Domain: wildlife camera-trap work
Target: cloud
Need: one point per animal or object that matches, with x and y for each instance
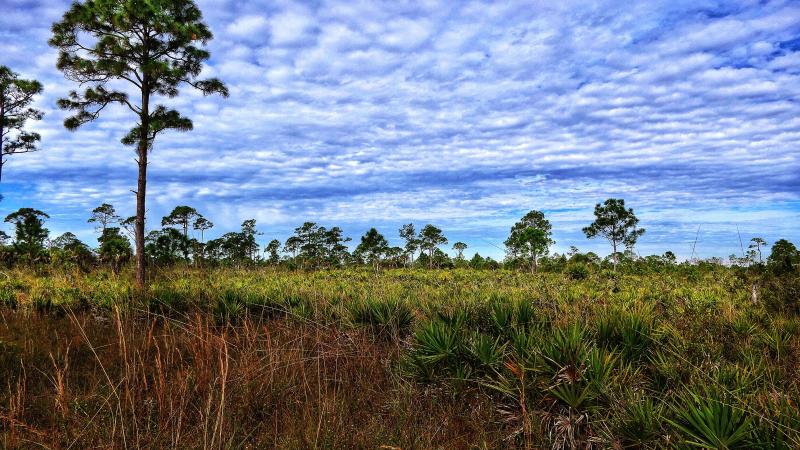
(362, 113)
(250, 28)
(290, 27)
(405, 34)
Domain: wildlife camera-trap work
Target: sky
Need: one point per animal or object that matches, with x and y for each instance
(462, 114)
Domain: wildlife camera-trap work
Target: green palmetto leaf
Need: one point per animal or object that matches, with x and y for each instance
(566, 347)
(436, 342)
(501, 316)
(711, 423)
(574, 395)
(487, 351)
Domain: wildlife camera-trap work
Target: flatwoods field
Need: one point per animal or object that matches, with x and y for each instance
(692, 355)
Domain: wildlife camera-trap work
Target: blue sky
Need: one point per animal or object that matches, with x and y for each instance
(461, 114)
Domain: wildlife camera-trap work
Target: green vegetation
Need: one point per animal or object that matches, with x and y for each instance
(678, 356)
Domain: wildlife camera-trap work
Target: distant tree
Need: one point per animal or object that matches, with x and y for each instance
(4, 238)
(756, 244)
(409, 235)
(459, 247)
(181, 216)
(115, 250)
(236, 248)
(592, 258)
(202, 225)
(373, 248)
(442, 259)
(477, 261)
(66, 240)
(309, 239)
(248, 239)
(272, 250)
(213, 250)
(129, 225)
(167, 246)
(530, 238)
(490, 263)
(150, 47)
(533, 242)
(430, 238)
(335, 250)
(669, 258)
(318, 245)
(555, 262)
(16, 96)
(784, 257)
(68, 252)
(395, 256)
(733, 260)
(292, 245)
(104, 215)
(615, 223)
(30, 233)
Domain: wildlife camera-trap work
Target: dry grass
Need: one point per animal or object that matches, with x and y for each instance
(143, 381)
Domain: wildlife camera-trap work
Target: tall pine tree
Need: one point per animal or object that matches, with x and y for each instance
(151, 45)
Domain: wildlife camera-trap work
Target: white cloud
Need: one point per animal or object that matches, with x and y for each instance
(250, 28)
(290, 27)
(356, 112)
(405, 34)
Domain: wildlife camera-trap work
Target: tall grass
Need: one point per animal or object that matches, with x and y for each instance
(405, 358)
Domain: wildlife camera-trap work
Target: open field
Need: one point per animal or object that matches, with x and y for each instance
(404, 358)
(399, 225)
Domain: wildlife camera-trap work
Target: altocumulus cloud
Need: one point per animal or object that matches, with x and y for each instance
(465, 114)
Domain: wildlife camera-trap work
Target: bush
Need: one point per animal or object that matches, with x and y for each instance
(782, 293)
(578, 271)
(387, 317)
(437, 350)
(706, 419)
(630, 332)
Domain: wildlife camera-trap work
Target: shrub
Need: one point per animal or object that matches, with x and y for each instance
(641, 420)
(387, 317)
(782, 293)
(578, 271)
(502, 317)
(707, 420)
(437, 349)
(229, 306)
(629, 331)
(487, 352)
(566, 347)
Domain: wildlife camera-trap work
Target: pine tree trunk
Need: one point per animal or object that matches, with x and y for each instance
(141, 190)
(614, 249)
(140, 210)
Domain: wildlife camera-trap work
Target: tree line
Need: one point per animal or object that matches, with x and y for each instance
(181, 240)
